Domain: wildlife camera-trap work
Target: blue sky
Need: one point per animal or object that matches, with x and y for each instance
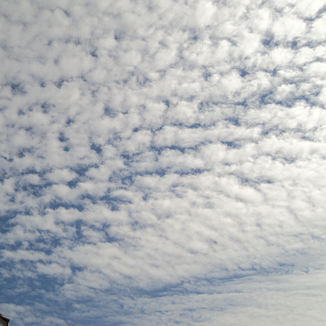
(163, 162)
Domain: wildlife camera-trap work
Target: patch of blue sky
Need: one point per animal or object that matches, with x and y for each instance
(110, 111)
(17, 89)
(23, 151)
(81, 169)
(9, 214)
(129, 158)
(47, 241)
(233, 120)
(115, 202)
(33, 289)
(231, 144)
(60, 82)
(155, 172)
(46, 107)
(57, 203)
(96, 148)
(269, 42)
(191, 171)
(73, 183)
(36, 190)
(62, 138)
(122, 178)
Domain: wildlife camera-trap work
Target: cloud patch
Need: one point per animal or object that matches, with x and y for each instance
(162, 162)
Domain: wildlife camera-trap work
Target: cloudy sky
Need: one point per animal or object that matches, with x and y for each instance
(163, 162)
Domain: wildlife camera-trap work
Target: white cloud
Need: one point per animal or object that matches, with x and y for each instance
(164, 159)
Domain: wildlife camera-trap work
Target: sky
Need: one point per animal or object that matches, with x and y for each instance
(163, 162)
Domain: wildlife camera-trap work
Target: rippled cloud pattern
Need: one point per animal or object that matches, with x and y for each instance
(163, 162)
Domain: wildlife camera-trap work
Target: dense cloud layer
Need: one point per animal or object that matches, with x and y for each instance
(162, 162)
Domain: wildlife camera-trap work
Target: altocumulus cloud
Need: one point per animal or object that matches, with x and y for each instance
(163, 162)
